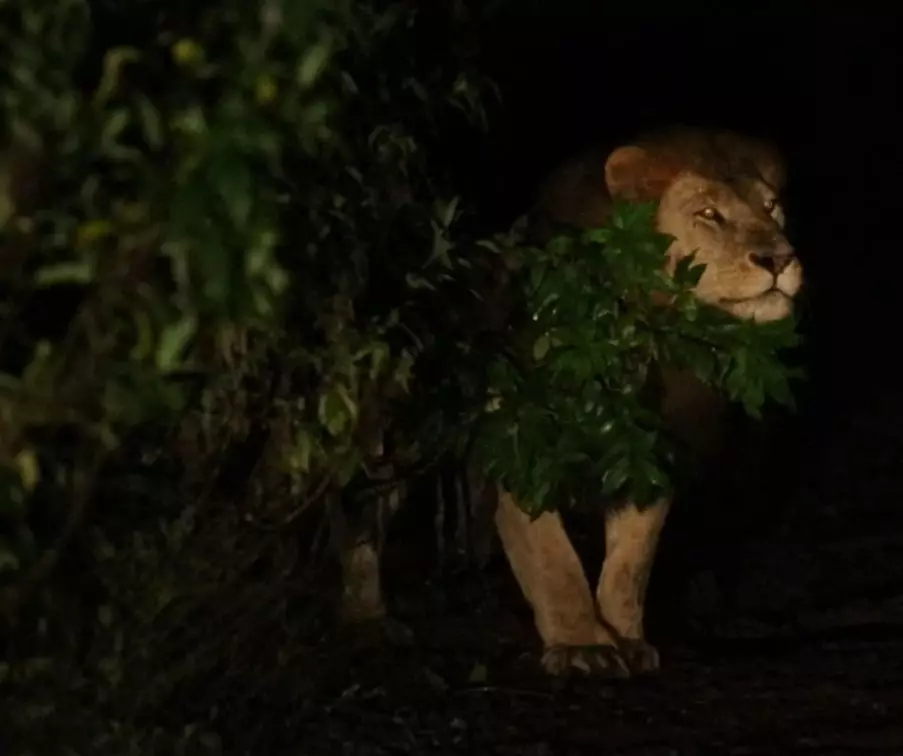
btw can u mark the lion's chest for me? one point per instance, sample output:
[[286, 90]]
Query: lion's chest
[[694, 413]]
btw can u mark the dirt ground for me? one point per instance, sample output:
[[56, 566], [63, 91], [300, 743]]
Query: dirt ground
[[471, 683], [793, 647], [807, 658]]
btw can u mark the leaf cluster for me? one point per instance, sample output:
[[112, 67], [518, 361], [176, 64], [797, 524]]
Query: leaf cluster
[[235, 250], [575, 411]]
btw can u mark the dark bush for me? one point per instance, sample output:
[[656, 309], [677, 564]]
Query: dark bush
[[246, 272]]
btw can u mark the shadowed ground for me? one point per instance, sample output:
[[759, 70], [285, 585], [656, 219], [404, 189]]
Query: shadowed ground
[[472, 683], [789, 642], [807, 658]]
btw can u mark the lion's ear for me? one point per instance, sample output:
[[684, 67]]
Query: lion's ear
[[637, 174]]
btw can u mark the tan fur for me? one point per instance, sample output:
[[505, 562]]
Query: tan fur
[[718, 196], [362, 598], [360, 549]]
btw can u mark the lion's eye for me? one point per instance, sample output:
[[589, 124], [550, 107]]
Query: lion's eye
[[711, 214]]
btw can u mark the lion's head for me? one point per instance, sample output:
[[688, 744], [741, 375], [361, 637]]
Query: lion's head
[[718, 196]]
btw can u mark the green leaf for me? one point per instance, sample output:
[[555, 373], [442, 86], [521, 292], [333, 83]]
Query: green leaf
[[113, 63], [302, 451], [26, 463], [379, 353], [336, 410], [151, 122], [687, 273], [655, 476], [538, 499], [313, 64], [615, 477], [173, 342], [541, 346], [113, 127], [418, 282], [597, 236], [74, 272], [447, 211]]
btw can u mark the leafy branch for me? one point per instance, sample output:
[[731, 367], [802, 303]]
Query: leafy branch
[[578, 415]]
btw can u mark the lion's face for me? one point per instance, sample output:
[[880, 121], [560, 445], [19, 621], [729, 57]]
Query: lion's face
[[736, 230], [718, 198]]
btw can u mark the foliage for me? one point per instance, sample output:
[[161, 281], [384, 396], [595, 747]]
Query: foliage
[[230, 240], [242, 283], [573, 412]]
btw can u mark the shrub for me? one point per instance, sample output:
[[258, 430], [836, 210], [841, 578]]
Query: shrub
[[230, 238], [243, 279]]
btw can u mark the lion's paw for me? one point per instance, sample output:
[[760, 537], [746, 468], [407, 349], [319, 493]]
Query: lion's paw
[[642, 658], [601, 660]]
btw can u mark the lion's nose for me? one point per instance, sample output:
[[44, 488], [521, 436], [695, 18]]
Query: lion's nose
[[774, 262]]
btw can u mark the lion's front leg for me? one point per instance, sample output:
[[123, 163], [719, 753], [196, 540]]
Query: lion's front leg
[[631, 539], [552, 579], [359, 540]]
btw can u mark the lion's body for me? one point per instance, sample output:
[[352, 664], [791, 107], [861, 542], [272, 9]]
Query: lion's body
[[717, 195]]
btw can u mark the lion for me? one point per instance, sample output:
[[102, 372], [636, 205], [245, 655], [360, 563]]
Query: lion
[[717, 196]]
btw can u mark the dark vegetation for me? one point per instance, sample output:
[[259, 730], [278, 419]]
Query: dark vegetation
[[257, 270]]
